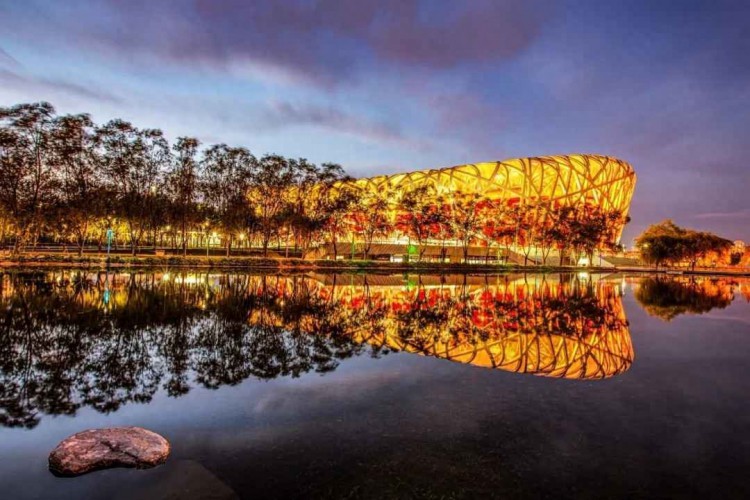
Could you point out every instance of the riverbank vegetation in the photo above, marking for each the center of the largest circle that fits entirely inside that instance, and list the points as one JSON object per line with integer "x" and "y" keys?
{"x": 669, "y": 244}
{"x": 68, "y": 182}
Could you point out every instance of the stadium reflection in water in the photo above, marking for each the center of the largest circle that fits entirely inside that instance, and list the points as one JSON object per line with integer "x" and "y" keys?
{"x": 73, "y": 339}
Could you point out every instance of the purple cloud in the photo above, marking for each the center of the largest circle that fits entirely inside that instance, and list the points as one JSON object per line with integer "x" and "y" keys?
{"x": 464, "y": 33}
{"x": 47, "y": 88}
{"x": 285, "y": 114}
{"x": 323, "y": 41}
{"x": 7, "y": 60}
{"x": 734, "y": 214}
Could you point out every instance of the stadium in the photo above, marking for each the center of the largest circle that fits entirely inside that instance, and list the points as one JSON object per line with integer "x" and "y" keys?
{"x": 577, "y": 181}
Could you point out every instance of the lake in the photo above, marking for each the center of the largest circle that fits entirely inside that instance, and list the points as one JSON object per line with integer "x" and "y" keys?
{"x": 381, "y": 386}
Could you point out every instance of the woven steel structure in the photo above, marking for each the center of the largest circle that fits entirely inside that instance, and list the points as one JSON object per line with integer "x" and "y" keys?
{"x": 571, "y": 180}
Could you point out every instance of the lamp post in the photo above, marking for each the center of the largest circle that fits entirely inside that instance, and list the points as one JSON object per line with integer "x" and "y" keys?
{"x": 110, "y": 235}
{"x": 205, "y": 229}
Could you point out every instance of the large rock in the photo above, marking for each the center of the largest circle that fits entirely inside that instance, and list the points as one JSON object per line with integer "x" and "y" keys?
{"x": 104, "y": 448}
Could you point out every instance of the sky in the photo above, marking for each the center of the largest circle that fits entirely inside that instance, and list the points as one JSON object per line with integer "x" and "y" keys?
{"x": 382, "y": 86}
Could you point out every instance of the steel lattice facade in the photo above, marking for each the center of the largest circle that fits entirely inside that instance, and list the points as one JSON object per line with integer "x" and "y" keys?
{"x": 570, "y": 180}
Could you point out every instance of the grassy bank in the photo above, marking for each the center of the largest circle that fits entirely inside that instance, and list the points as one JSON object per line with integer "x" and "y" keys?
{"x": 38, "y": 260}
{"x": 96, "y": 261}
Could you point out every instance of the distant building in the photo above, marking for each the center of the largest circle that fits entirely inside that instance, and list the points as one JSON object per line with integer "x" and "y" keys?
{"x": 554, "y": 181}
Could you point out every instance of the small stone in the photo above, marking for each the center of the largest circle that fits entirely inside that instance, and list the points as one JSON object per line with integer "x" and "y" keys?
{"x": 105, "y": 448}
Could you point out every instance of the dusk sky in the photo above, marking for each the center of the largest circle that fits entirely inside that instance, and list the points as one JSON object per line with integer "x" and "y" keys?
{"x": 394, "y": 85}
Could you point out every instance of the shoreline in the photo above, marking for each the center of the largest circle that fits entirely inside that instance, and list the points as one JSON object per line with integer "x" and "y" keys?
{"x": 94, "y": 262}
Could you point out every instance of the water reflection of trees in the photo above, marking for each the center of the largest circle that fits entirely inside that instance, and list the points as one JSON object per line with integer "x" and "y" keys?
{"x": 72, "y": 340}
{"x": 669, "y": 297}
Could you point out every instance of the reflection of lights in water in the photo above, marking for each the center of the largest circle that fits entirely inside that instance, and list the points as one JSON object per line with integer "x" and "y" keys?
{"x": 189, "y": 279}
{"x": 526, "y": 324}
{"x": 537, "y": 326}
{"x": 507, "y": 329}
{"x": 165, "y": 277}
{"x": 583, "y": 275}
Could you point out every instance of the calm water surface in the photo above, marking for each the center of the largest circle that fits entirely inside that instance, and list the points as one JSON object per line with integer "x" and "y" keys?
{"x": 381, "y": 386}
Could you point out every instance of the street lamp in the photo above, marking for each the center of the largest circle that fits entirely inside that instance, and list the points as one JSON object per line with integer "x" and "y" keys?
{"x": 110, "y": 235}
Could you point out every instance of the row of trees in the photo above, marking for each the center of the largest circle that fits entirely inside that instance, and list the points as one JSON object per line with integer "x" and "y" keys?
{"x": 530, "y": 226}
{"x": 64, "y": 179}
{"x": 667, "y": 243}
{"x": 67, "y": 179}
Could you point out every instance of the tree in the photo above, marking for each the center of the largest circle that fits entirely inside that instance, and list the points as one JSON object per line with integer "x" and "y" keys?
{"x": 269, "y": 195}
{"x": 330, "y": 177}
{"x": 528, "y": 215}
{"x": 226, "y": 174}
{"x": 82, "y": 196}
{"x": 336, "y": 205}
{"x": 28, "y": 184}
{"x": 133, "y": 161}
{"x": 369, "y": 218}
{"x": 543, "y": 237}
{"x": 698, "y": 245}
{"x": 498, "y": 226}
{"x": 465, "y": 219}
{"x": 311, "y": 183}
{"x": 667, "y": 242}
{"x": 521, "y": 219}
{"x": 443, "y": 227}
{"x": 594, "y": 229}
{"x": 418, "y": 211}
{"x": 182, "y": 185}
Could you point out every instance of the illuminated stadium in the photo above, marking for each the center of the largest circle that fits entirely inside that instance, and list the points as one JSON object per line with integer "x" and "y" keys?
{"x": 541, "y": 185}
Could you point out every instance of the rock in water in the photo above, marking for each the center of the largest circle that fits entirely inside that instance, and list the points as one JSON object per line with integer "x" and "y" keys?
{"x": 104, "y": 448}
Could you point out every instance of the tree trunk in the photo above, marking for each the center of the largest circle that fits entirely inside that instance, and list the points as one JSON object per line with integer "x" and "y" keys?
{"x": 184, "y": 239}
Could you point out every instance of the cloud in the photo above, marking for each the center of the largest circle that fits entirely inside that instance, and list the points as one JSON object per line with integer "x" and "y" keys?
{"x": 734, "y": 214}
{"x": 45, "y": 88}
{"x": 280, "y": 114}
{"x": 463, "y": 33}
{"x": 7, "y": 60}
{"x": 467, "y": 116}
{"x": 322, "y": 41}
